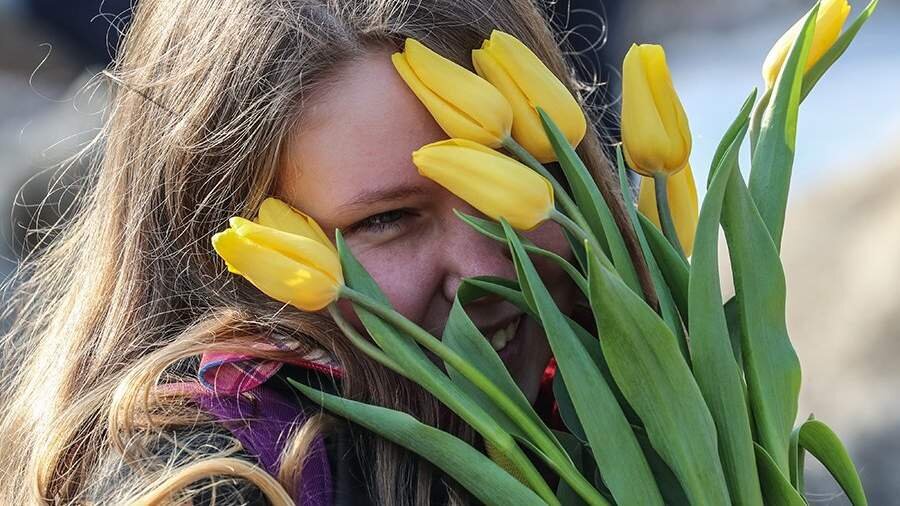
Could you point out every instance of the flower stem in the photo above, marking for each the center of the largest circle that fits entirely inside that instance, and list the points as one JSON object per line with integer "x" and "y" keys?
{"x": 501, "y": 440}
{"x": 582, "y": 233}
{"x": 550, "y": 450}
{"x": 660, "y": 180}
{"x": 570, "y": 207}
{"x": 361, "y": 342}
{"x": 559, "y": 193}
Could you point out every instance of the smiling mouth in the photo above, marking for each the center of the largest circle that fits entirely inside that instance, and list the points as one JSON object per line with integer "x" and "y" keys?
{"x": 502, "y": 337}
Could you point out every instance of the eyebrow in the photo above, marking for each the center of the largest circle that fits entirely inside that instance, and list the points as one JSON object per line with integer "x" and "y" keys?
{"x": 377, "y": 195}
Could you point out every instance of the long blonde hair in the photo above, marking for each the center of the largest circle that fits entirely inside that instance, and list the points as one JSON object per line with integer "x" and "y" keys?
{"x": 129, "y": 293}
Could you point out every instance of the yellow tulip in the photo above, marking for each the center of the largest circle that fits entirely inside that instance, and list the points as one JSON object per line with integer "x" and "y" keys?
{"x": 291, "y": 268}
{"x": 490, "y": 181}
{"x": 682, "y": 193}
{"x": 527, "y": 83}
{"x": 655, "y": 133}
{"x": 462, "y": 103}
{"x": 277, "y": 214}
{"x": 829, "y": 23}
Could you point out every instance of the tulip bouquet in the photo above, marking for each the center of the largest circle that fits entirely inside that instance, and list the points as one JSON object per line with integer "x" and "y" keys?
{"x": 678, "y": 397}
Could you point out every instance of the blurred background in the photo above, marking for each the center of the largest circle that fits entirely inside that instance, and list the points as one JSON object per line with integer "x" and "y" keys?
{"x": 842, "y": 241}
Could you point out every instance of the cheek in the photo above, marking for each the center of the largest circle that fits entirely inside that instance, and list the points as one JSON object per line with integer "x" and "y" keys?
{"x": 406, "y": 276}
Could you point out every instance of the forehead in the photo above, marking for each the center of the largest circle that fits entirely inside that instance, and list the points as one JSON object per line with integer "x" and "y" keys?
{"x": 357, "y": 133}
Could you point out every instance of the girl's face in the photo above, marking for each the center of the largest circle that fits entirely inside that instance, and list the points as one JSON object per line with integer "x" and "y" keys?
{"x": 349, "y": 166}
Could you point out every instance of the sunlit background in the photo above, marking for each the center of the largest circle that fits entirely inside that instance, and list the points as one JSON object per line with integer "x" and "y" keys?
{"x": 842, "y": 243}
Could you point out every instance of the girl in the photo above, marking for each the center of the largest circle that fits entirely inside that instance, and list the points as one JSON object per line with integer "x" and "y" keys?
{"x": 140, "y": 370}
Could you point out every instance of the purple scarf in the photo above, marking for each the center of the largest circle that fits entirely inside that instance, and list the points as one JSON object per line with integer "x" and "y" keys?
{"x": 232, "y": 388}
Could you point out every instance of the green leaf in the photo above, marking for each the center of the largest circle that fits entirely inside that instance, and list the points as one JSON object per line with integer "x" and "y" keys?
{"x": 771, "y": 366}
{"x": 715, "y": 369}
{"x": 816, "y": 72}
{"x": 567, "y": 409}
{"x": 648, "y": 367}
{"x": 776, "y": 488}
{"x": 667, "y": 306}
{"x": 773, "y": 154}
{"x": 812, "y": 76}
{"x": 402, "y": 349}
{"x": 472, "y": 288}
{"x": 399, "y": 347}
{"x": 580, "y": 455}
{"x": 733, "y": 318}
{"x": 592, "y": 346}
{"x": 463, "y": 337}
{"x": 731, "y": 133}
{"x": 819, "y": 440}
{"x": 668, "y": 484}
{"x": 508, "y": 289}
{"x": 477, "y": 473}
{"x": 616, "y": 451}
{"x": 795, "y": 458}
{"x": 673, "y": 267}
{"x": 561, "y": 394}
{"x": 577, "y": 249}
{"x": 591, "y": 203}
{"x": 494, "y": 231}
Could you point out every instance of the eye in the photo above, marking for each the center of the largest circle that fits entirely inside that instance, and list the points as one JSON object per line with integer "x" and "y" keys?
{"x": 381, "y": 222}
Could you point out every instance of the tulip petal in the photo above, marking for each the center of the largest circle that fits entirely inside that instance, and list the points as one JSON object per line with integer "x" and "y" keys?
{"x": 644, "y": 137}
{"x": 453, "y": 121}
{"x": 282, "y": 216}
{"x": 668, "y": 106}
{"x": 460, "y": 87}
{"x": 542, "y": 87}
{"x": 493, "y": 183}
{"x": 274, "y": 274}
{"x": 526, "y": 128}
{"x": 296, "y": 247}
{"x": 830, "y": 21}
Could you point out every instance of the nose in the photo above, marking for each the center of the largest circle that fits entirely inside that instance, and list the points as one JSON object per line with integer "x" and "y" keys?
{"x": 467, "y": 253}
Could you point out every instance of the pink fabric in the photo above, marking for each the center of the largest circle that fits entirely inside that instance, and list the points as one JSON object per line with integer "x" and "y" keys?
{"x": 234, "y": 373}
{"x": 231, "y": 386}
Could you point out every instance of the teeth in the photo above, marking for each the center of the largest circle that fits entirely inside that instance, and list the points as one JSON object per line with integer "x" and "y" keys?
{"x": 504, "y": 335}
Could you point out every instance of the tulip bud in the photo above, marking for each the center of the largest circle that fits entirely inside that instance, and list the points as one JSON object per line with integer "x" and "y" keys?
{"x": 282, "y": 216}
{"x": 655, "y": 133}
{"x": 490, "y": 181}
{"x": 462, "y": 103}
{"x": 527, "y": 84}
{"x": 682, "y": 202}
{"x": 829, "y": 23}
{"x": 291, "y": 268}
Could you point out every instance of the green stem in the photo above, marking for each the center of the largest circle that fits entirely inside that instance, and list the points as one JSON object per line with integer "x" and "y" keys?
{"x": 361, "y": 342}
{"x": 660, "y": 180}
{"x": 559, "y": 193}
{"x": 528, "y": 159}
{"x": 502, "y": 441}
{"x": 575, "y": 274}
{"x": 583, "y": 234}
{"x": 550, "y": 450}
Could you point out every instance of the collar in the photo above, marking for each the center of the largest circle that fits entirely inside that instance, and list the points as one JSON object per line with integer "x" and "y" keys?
{"x": 235, "y": 373}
